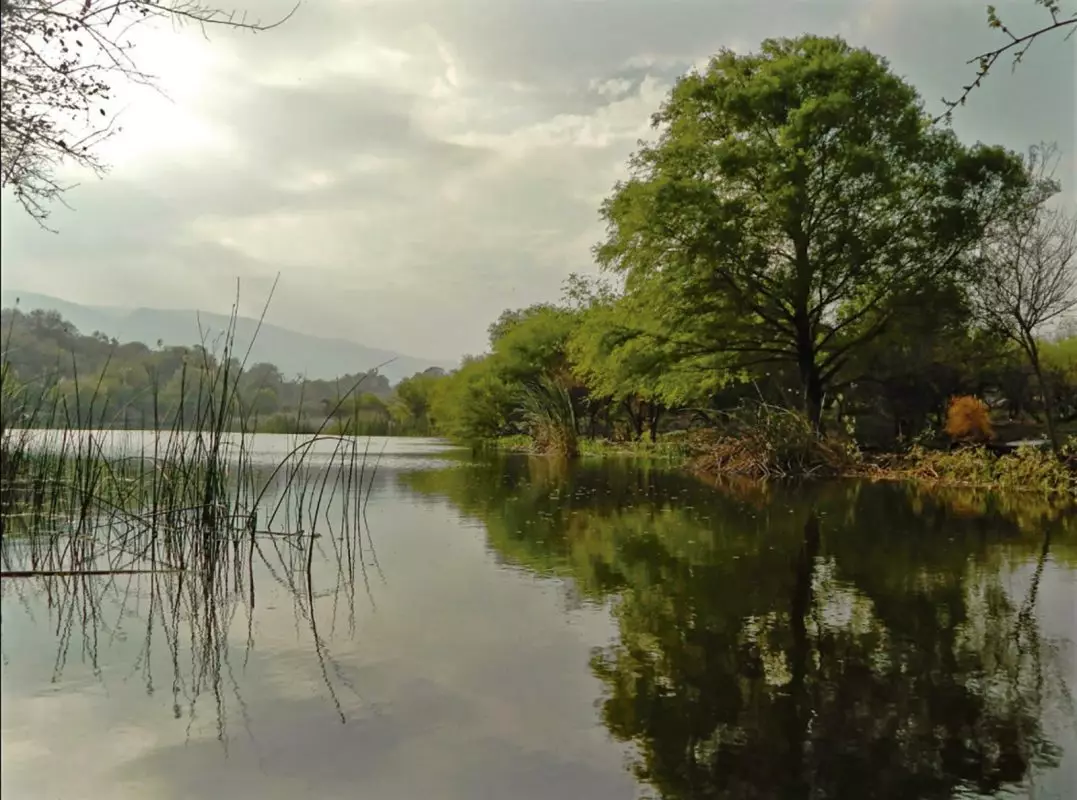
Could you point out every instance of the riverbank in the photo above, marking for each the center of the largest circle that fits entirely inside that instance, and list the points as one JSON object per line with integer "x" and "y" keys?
{"x": 711, "y": 456}
{"x": 672, "y": 447}
{"x": 1028, "y": 469}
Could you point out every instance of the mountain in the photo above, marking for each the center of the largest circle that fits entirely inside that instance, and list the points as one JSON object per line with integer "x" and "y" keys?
{"x": 293, "y": 352}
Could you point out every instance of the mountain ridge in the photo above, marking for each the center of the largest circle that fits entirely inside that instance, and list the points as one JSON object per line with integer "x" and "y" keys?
{"x": 293, "y": 352}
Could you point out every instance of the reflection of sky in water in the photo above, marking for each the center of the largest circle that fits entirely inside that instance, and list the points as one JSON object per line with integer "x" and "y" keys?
{"x": 466, "y": 681}
{"x": 463, "y": 676}
{"x": 263, "y": 449}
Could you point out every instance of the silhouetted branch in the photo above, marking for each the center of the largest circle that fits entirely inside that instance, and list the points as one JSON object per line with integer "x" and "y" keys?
{"x": 60, "y": 62}
{"x": 1018, "y": 44}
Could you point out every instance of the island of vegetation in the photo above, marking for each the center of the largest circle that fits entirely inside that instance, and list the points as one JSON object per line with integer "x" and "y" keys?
{"x": 803, "y": 274}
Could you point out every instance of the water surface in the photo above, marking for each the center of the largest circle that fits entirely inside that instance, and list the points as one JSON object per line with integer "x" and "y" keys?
{"x": 513, "y": 628}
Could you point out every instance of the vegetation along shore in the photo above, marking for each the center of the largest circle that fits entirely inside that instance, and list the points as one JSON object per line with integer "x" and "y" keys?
{"x": 804, "y": 275}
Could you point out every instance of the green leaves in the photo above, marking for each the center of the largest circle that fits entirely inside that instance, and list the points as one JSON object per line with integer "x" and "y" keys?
{"x": 790, "y": 194}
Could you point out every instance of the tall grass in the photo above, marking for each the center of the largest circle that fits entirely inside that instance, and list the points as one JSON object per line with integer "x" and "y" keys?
{"x": 62, "y": 476}
{"x": 760, "y": 440}
{"x": 183, "y": 517}
{"x": 551, "y": 417}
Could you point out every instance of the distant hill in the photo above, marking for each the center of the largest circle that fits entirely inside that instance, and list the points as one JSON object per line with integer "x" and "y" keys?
{"x": 293, "y": 352}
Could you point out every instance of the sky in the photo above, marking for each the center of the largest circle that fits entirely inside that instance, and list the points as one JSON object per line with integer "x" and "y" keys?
{"x": 411, "y": 168}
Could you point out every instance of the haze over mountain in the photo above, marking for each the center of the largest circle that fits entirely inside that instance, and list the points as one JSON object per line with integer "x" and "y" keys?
{"x": 293, "y": 352}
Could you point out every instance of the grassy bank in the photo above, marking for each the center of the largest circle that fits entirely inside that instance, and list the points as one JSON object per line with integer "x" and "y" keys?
{"x": 672, "y": 447}
{"x": 762, "y": 442}
{"x": 1027, "y": 469}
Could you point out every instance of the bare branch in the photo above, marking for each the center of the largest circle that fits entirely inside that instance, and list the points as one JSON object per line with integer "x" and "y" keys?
{"x": 1030, "y": 267}
{"x": 59, "y": 60}
{"x": 1017, "y": 44}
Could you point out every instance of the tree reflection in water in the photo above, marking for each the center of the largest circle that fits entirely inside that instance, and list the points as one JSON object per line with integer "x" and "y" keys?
{"x": 839, "y": 640}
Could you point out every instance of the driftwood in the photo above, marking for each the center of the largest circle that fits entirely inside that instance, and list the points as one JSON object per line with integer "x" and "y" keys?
{"x": 77, "y": 573}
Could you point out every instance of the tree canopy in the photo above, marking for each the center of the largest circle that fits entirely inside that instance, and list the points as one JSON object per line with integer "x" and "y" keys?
{"x": 793, "y": 197}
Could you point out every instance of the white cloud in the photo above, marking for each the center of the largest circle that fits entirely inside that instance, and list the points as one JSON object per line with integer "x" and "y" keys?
{"x": 412, "y": 168}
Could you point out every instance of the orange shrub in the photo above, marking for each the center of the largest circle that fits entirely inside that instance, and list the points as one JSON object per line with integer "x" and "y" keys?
{"x": 968, "y": 419}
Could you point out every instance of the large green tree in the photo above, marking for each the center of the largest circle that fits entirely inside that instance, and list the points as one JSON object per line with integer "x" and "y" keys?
{"x": 790, "y": 197}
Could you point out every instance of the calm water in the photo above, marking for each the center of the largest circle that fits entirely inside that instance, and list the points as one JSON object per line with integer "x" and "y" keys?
{"x": 514, "y": 629}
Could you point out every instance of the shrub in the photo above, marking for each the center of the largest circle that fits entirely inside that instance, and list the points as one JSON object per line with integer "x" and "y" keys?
{"x": 1029, "y": 468}
{"x": 762, "y": 441}
{"x": 968, "y": 419}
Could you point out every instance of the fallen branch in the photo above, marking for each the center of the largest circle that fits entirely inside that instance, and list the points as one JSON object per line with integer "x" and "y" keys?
{"x": 78, "y": 573}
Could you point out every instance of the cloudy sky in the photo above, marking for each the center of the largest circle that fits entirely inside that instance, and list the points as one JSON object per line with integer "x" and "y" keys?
{"x": 413, "y": 167}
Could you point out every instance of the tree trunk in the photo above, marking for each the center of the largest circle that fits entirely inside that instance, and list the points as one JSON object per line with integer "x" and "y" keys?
{"x": 635, "y": 417}
{"x": 812, "y": 387}
{"x": 656, "y": 414}
{"x": 811, "y": 382}
{"x": 1045, "y": 393}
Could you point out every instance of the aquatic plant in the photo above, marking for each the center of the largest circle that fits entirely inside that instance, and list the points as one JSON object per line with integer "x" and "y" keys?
{"x": 762, "y": 440}
{"x": 63, "y": 477}
{"x": 551, "y": 417}
{"x": 1028, "y": 469}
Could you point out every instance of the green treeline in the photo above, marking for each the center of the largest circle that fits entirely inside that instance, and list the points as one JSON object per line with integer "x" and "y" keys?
{"x": 55, "y": 376}
{"x": 799, "y": 232}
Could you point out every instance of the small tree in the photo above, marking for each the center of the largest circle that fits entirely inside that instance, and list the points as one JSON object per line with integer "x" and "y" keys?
{"x": 1030, "y": 275}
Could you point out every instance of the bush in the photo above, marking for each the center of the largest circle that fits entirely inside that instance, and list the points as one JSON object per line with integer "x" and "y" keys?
{"x": 769, "y": 441}
{"x": 1028, "y": 469}
{"x": 968, "y": 419}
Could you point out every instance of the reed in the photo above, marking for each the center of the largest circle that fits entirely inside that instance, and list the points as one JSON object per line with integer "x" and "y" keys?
{"x": 189, "y": 516}
{"x": 166, "y": 492}
{"x": 551, "y": 418}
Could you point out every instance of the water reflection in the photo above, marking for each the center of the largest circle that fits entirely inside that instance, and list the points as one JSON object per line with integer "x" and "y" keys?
{"x": 843, "y": 640}
{"x": 194, "y": 590}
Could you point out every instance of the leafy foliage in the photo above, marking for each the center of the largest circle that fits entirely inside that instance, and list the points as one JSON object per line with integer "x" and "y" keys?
{"x": 474, "y": 403}
{"x": 792, "y": 197}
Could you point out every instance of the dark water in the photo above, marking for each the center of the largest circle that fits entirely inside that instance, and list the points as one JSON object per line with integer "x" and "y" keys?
{"x": 515, "y": 629}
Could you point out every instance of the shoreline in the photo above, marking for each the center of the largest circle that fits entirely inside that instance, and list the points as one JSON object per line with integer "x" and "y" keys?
{"x": 1025, "y": 471}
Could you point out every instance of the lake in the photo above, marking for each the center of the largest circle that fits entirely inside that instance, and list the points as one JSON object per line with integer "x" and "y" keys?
{"x": 481, "y": 627}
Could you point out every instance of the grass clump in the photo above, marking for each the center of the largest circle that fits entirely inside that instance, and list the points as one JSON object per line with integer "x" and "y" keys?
{"x": 1027, "y": 469}
{"x": 673, "y": 446}
{"x": 551, "y": 418}
{"x": 516, "y": 443}
{"x": 767, "y": 441}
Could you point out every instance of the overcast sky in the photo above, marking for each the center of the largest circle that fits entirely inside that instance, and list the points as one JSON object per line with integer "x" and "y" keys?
{"x": 413, "y": 167}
